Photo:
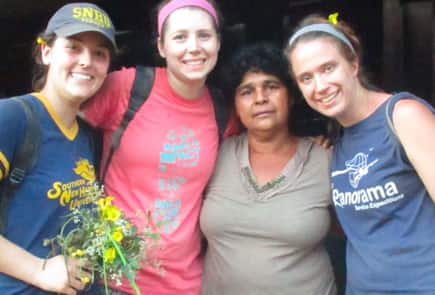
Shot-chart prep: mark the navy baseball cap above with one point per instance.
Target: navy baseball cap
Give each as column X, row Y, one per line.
column 75, row 18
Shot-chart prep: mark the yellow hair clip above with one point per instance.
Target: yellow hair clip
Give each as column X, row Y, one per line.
column 332, row 18
column 40, row 41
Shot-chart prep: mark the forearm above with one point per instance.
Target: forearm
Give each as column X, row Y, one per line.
column 52, row 275
column 18, row 263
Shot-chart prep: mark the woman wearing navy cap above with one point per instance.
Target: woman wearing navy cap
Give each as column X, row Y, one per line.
column 72, row 57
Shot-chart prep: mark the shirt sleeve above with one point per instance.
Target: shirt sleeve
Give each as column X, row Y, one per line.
column 12, row 127
column 106, row 108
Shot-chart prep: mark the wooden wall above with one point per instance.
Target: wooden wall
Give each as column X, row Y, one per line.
column 409, row 47
column 398, row 35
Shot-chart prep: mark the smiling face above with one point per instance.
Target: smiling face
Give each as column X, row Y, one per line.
column 77, row 67
column 190, row 45
column 326, row 79
column 262, row 102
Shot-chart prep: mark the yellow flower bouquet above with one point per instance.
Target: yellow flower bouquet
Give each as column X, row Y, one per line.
column 111, row 246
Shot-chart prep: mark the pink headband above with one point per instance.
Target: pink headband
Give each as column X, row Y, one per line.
column 175, row 4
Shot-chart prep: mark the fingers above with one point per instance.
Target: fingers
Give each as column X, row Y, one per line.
column 322, row 141
column 79, row 273
column 77, row 284
column 61, row 275
column 69, row 291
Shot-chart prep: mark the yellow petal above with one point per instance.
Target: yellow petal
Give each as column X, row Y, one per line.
column 109, row 255
column 117, row 236
column 332, row 18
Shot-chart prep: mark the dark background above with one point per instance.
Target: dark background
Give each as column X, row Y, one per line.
column 397, row 35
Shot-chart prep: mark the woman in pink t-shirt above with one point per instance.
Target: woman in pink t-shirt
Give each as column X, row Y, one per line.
column 168, row 151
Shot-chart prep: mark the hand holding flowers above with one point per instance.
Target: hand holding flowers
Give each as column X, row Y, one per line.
column 57, row 275
column 106, row 241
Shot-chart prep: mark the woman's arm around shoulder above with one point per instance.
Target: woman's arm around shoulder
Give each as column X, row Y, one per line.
column 415, row 126
column 107, row 106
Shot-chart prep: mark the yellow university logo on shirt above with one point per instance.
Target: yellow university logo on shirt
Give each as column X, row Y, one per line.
column 77, row 192
column 92, row 16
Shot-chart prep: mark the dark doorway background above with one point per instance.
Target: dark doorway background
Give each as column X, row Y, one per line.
column 398, row 37
column 397, row 34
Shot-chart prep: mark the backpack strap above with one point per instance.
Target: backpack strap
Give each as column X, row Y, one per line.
column 24, row 158
column 95, row 141
column 388, row 116
column 143, row 82
column 389, row 108
column 220, row 110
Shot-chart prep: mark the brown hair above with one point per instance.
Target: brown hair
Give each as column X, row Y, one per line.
column 350, row 55
column 40, row 70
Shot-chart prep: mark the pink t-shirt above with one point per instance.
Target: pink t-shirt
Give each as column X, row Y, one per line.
column 163, row 164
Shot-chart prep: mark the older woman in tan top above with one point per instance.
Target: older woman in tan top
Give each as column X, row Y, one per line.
column 266, row 209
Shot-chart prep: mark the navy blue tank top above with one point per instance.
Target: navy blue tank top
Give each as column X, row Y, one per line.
column 384, row 209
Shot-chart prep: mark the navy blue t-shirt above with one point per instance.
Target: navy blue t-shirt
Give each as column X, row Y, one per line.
column 58, row 183
column 384, row 209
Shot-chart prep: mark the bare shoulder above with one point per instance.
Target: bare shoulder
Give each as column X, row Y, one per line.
column 408, row 111
column 414, row 122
